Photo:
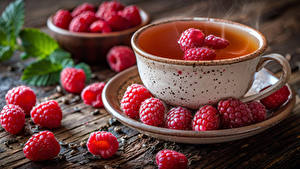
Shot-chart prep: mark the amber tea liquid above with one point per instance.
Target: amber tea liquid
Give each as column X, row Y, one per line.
column 161, row 40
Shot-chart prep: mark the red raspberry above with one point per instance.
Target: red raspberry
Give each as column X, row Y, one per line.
column 91, row 95
column 72, row 79
column 132, row 99
column 152, row 112
column 120, row 58
column 41, row 146
column 117, row 22
column 215, row 42
column 170, row 159
column 100, row 26
column 82, row 8
column 201, row 53
column 47, row 114
column 62, row 19
column 82, row 22
column 191, row 38
column 234, row 113
column 22, row 96
column 132, row 14
column 102, row 143
column 276, row 99
column 258, row 111
column 179, row 118
column 206, row 118
column 108, row 7
column 12, row 118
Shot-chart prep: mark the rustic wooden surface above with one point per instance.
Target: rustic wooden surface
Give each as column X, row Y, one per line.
column 278, row 147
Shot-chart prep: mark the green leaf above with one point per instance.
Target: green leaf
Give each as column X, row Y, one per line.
column 5, row 52
column 24, row 56
column 62, row 57
column 87, row 70
column 11, row 22
column 36, row 43
column 42, row 73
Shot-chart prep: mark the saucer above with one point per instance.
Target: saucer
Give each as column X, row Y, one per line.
column 115, row 88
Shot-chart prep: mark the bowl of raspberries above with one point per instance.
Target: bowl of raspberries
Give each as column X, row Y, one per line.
column 88, row 31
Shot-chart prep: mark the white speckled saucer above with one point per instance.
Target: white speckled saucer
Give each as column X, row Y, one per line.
column 115, row 88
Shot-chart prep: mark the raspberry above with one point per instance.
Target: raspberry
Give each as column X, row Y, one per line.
column 62, row 19
column 191, row 38
column 120, row 58
column 234, row 113
column 117, row 22
column 100, row 26
column 108, row 7
column 82, row 8
column 179, row 118
column 12, row 118
column 170, row 159
column 201, row 53
column 72, row 79
column 152, row 112
column 258, row 111
column 206, row 118
column 215, row 42
column 22, row 96
column 47, row 114
column 276, row 99
column 132, row 99
column 41, row 146
column 91, row 95
column 82, row 22
column 132, row 14
column 102, row 143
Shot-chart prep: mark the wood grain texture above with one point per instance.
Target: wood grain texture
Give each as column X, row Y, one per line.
column 277, row 147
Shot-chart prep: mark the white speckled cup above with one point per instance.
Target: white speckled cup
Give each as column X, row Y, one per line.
column 195, row 83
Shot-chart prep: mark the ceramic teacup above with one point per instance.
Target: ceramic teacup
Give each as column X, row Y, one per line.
column 195, row 83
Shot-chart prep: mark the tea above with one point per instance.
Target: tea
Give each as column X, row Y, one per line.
column 161, row 40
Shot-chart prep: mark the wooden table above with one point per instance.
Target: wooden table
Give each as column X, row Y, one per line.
column 278, row 147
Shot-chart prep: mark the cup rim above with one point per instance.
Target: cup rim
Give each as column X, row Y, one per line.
column 258, row 35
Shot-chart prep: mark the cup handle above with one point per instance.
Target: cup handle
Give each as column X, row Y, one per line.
column 281, row 82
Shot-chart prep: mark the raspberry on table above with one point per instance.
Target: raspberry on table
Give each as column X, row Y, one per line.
column 82, row 22
column 83, row 8
column 120, row 58
column 41, row 146
column 191, row 38
column 206, row 118
column 134, row 95
column 108, row 7
column 234, row 113
column 91, row 95
column 152, row 112
column 201, row 53
column 258, row 111
column 170, row 159
column 276, row 99
column 72, row 80
column 215, row 42
column 62, row 19
column 102, row 143
column 47, row 114
column 179, row 118
column 22, row 96
column 100, row 27
column 12, row 118
column 132, row 14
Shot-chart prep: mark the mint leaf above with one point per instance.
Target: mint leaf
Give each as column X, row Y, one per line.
column 12, row 20
column 61, row 57
column 36, row 43
column 87, row 70
column 5, row 52
column 42, row 73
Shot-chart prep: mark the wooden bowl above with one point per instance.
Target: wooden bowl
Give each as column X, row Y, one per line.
column 92, row 47
column 115, row 88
